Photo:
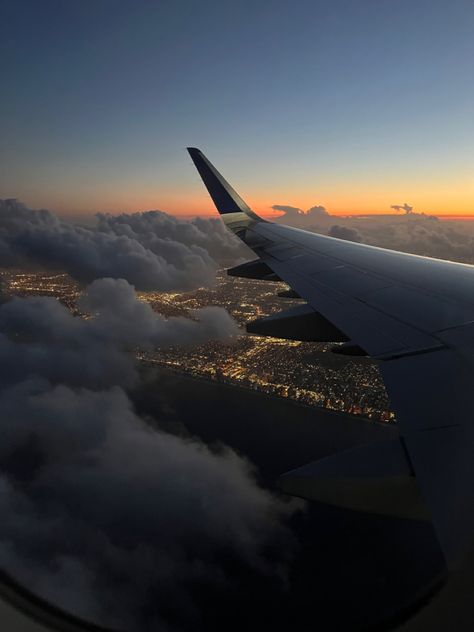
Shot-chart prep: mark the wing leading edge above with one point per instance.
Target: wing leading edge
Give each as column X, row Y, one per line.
column 415, row 315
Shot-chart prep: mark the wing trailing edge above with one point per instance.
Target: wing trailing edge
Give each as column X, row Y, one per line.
column 375, row 478
column 297, row 323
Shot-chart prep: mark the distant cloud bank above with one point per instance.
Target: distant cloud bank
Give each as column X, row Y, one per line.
column 418, row 233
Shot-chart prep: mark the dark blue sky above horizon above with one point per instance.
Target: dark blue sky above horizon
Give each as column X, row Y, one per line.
column 354, row 105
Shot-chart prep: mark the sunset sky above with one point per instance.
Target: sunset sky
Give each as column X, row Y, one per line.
column 354, row 105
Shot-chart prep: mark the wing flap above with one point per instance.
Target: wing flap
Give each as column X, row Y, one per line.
column 432, row 395
column 297, row 323
column 375, row 478
column 253, row 270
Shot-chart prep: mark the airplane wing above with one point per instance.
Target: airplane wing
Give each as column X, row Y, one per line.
column 415, row 316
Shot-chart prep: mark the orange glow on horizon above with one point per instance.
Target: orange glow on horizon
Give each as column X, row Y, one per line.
column 208, row 210
column 455, row 201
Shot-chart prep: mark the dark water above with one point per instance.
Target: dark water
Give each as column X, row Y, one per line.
column 351, row 571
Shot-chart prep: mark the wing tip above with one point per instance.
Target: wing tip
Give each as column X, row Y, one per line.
column 223, row 195
column 196, row 154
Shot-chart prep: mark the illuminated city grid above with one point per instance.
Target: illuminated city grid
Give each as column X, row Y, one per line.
column 303, row 371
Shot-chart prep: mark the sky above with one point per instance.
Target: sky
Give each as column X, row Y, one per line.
column 352, row 105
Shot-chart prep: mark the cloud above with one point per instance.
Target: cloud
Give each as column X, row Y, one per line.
column 117, row 315
column 403, row 207
column 417, row 233
column 149, row 516
column 343, row 232
column 40, row 336
column 111, row 519
column 150, row 250
column 289, row 211
column 317, row 211
column 298, row 217
column 161, row 233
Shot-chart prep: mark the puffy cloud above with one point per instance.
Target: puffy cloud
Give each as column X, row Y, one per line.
column 161, row 233
column 296, row 216
column 317, row 212
column 110, row 518
column 150, row 250
column 120, row 317
column 150, row 518
column 289, row 211
column 343, row 232
column 40, row 336
column 104, row 513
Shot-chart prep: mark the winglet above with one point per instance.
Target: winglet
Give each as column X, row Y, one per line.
column 223, row 195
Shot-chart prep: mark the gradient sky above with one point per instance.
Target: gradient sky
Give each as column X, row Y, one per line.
column 352, row 104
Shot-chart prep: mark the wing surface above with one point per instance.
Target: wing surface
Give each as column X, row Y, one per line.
column 415, row 315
